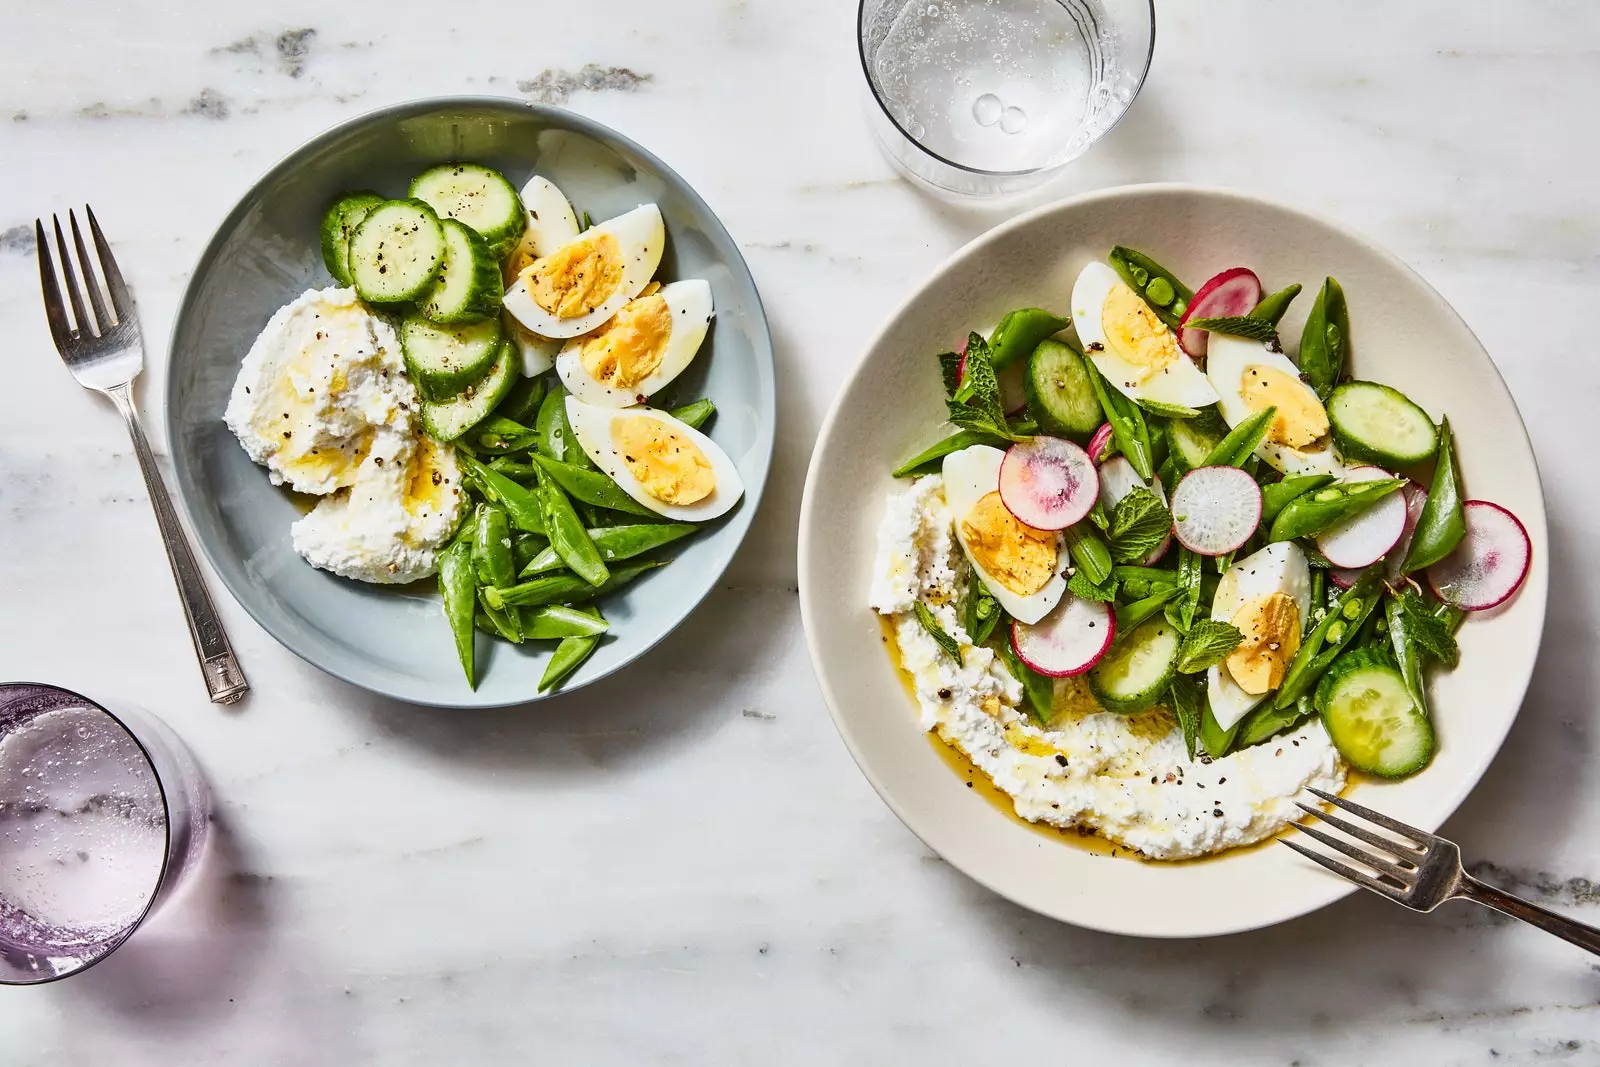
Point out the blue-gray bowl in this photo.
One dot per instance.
(395, 641)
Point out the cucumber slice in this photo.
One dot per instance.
(449, 419)
(1371, 717)
(1134, 674)
(341, 220)
(1193, 440)
(444, 360)
(478, 196)
(396, 252)
(1060, 396)
(1381, 425)
(469, 287)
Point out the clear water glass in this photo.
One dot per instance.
(103, 816)
(990, 97)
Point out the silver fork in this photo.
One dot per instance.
(103, 350)
(1421, 870)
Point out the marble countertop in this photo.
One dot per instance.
(595, 881)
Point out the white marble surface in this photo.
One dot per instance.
(682, 864)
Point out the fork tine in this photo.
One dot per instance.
(1345, 871)
(1398, 849)
(84, 328)
(54, 310)
(1409, 832)
(121, 301)
(1400, 874)
(91, 277)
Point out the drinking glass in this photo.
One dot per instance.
(102, 817)
(990, 97)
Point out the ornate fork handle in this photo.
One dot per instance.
(224, 680)
(1580, 934)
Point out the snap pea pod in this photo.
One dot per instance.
(1190, 571)
(1129, 616)
(1325, 339)
(1273, 305)
(1020, 332)
(1037, 690)
(555, 437)
(1132, 433)
(522, 402)
(501, 435)
(569, 655)
(567, 534)
(694, 415)
(1275, 497)
(1156, 285)
(520, 503)
(1407, 655)
(1236, 449)
(525, 546)
(615, 543)
(1213, 738)
(1089, 551)
(927, 461)
(557, 621)
(1138, 582)
(511, 468)
(1319, 599)
(458, 590)
(1443, 522)
(491, 547)
(1266, 720)
(1450, 615)
(982, 610)
(1321, 508)
(503, 622)
(1330, 637)
(566, 588)
(591, 487)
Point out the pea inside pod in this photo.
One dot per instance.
(1019, 333)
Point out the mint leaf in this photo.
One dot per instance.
(1428, 630)
(1187, 701)
(975, 403)
(1139, 523)
(1079, 585)
(1208, 643)
(1238, 326)
(950, 371)
(930, 623)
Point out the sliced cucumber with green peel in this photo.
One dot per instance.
(478, 196)
(1381, 425)
(449, 419)
(1371, 717)
(340, 222)
(445, 360)
(1193, 440)
(1134, 674)
(1060, 395)
(469, 287)
(396, 252)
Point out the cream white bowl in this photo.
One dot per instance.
(1404, 334)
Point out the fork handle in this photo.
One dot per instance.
(1580, 934)
(224, 680)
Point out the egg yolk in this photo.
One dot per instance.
(628, 348)
(1134, 333)
(1007, 549)
(1271, 628)
(666, 463)
(1301, 418)
(577, 277)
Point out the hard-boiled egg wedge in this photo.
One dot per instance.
(551, 224)
(1019, 564)
(587, 280)
(1267, 596)
(1134, 350)
(1250, 377)
(658, 460)
(538, 354)
(642, 348)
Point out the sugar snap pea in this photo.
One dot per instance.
(982, 613)
(1213, 738)
(1089, 551)
(458, 590)
(1329, 637)
(520, 503)
(525, 546)
(1019, 333)
(591, 487)
(1266, 720)
(694, 415)
(1236, 449)
(1273, 305)
(501, 435)
(514, 469)
(557, 621)
(1138, 582)
(569, 655)
(555, 438)
(566, 588)
(927, 461)
(503, 622)
(1190, 573)
(1313, 512)
(616, 543)
(522, 402)
(1156, 285)
(1129, 616)
(1275, 497)
(491, 547)
(1325, 339)
(567, 534)
(1443, 522)
(1132, 433)
(1038, 690)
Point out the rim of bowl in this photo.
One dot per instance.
(1337, 888)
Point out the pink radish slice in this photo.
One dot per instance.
(1100, 443)
(1236, 291)
(1362, 540)
(1215, 509)
(1048, 483)
(1344, 577)
(1069, 640)
(1490, 562)
(1416, 496)
(1117, 480)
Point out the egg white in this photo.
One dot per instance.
(1181, 383)
(1226, 360)
(640, 235)
(551, 220)
(690, 304)
(970, 475)
(538, 354)
(591, 425)
(1279, 568)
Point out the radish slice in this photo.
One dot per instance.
(1416, 496)
(1117, 480)
(1362, 540)
(1489, 563)
(1048, 483)
(1069, 640)
(1215, 509)
(1236, 291)
(1344, 577)
(1100, 443)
